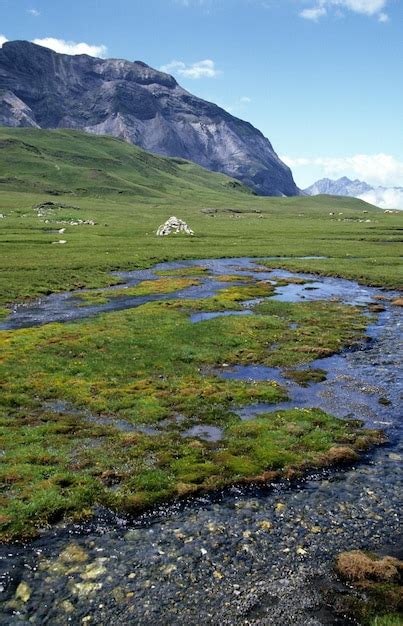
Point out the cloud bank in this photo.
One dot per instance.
(375, 169)
(71, 47)
(371, 8)
(66, 47)
(385, 198)
(200, 69)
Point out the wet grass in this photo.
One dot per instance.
(184, 271)
(147, 366)
(144, 288)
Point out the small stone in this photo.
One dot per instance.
(266, 525)
(118, 594)
(301, 551)
(73, 553)
(23, 592)
(218, 575)
(86, 589)
(395, 457)
(316, 529)
(169, 569)
(67, 606)
(280, 506)
(93, 570)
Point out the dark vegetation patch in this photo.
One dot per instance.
(376, 597)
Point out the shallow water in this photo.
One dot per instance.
(247, 555)
(65, 307)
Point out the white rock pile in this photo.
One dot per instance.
(174, 225)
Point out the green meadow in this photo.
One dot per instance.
(78, 399)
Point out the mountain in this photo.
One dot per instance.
(383, 197)
(40, 88)
(341, 187)
(71, 162)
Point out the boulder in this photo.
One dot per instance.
(174, 225)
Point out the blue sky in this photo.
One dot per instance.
(321, 78)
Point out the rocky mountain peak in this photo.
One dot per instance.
(142, 105)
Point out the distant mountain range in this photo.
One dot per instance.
(40, 88)
(383, 197)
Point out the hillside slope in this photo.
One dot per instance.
(40, 88)
(64, 162)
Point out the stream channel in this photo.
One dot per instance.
(249, 555)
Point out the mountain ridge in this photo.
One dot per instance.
(382, 197)
(40, 88)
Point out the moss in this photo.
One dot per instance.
(306, 376)
(184, 271)
(233, 278)
(147, 366)
(4, 312)
(144, 288)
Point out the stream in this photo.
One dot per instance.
(243, 555)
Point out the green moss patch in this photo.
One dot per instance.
(144, 288)
(150, 365)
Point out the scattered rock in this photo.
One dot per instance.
(94, 570)
(73, 553)
(174, 225)
(398, 302)
(86, 589)
(23, 592)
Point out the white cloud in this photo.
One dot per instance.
(313, 14)
(239, 106)
(71, 47)
(33, 12)
(362, 7)
(201, 69)
(375, 169)
(385, 198)
(3, 39)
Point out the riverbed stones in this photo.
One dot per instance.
(23, 592)
(73, 553)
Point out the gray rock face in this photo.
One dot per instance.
(341, 187)
(41, 88)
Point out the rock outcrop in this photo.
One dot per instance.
(174, 225)
(44, 89)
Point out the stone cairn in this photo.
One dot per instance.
(174, 225)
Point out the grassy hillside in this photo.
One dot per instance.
(71, 162)
(128, 193)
